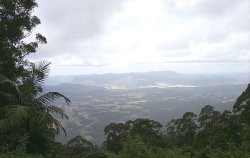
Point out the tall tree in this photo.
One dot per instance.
(16, 24)
(116, 132)
(208, 116)
(23, 105)
(144, 129)
(181, 131)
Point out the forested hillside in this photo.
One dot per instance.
(30, 118)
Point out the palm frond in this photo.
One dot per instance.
(7, 84)
(3, 78)
(33, 80)
(40, 109)
(6, 98)
(9, 92)
(46, 109)
(44, 119)
(40, 71)
(47, 98)
(57, 110)
(12, 116)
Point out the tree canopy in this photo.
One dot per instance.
(24, 108)
(16, 24)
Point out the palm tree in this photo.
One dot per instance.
(25, 103)
(11, 112)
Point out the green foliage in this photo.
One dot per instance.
(16, 24)
(135, 148)
(146, 130)
(208, 116)
(211, 135)
(24, 108)
(33, 111)
(181, 131)
(31, 104)
(19, 152)
(78, 145)
(242, 106)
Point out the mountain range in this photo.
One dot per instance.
(157, 79)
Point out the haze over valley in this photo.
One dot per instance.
(98, 100)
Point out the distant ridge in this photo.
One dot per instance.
(140, 79)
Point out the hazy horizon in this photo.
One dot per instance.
(131, 72)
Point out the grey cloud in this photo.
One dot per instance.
(220, 20)
(89, 65)
(209, 8)
(68, 23)
(222, 16)
(204, 61)
(79, 18)
(77, 28)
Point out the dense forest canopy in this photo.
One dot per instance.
(29, 117)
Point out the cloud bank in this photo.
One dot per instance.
(100, 36)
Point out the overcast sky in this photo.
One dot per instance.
(103, 36)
